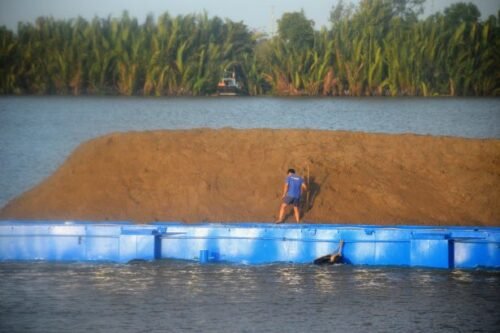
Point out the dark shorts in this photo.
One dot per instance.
(291, 201)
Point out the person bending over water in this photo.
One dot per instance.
(294, 185)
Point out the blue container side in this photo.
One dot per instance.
(70, 241)
(101, 248)
(469, 254)
(430, 253)
(251, 243)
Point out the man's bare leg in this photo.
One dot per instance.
(282, 213)
(297, 213)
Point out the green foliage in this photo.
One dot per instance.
(378, 48)
(461, 13)
(296, 30)
(183, 55)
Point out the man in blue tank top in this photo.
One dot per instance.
(294, 185)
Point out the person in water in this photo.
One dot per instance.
(294, 185)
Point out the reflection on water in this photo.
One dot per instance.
(462, 276)
(292, 278)
(179, 296)
(325, 281)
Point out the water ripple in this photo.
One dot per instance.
(180, 296)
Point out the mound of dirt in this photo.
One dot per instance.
(232, 175)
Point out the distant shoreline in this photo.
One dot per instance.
(371, 49)
(245, 96)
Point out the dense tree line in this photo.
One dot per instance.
(379, 47)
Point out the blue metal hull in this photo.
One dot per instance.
(247, 243)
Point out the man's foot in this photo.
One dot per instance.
(279, 222)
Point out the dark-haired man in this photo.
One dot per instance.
(294, 185)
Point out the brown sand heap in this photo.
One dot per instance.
(238, 175)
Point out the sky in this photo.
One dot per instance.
(256, 14)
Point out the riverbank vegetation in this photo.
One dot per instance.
(379, 47)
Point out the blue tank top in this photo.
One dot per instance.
(294, 186)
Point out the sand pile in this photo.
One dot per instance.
(238, 175)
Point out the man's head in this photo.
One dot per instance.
(291, 171)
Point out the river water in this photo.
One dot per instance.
(174, 296)
(38, 133)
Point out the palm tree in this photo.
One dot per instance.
(372, 51)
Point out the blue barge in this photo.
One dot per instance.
(251, 243)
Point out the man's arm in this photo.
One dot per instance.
(304, 187)
(285, 190)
